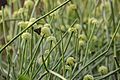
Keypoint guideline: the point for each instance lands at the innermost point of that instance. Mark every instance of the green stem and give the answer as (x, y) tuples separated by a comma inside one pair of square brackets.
[(22, 58), (87, 47), (34, 55), (4, 27), (36, 3), (31, 45)]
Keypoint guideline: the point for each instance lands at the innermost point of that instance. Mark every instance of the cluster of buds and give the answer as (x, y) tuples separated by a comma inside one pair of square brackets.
[(88, 77), (45, 31), (72, 29), (51, 38), (103, 70), (28, 4), (82, 39), (23, 24), (70, 61), (26, 36)]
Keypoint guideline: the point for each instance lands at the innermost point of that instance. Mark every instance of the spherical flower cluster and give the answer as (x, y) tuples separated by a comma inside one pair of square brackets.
[(78, 26), (72, 29), (26, 36), (33, 20), (81, 43), (47, 25), (72, 7), (103, 70), (94, 38), (62, 27), (71, 12), (29, 4), (70, 61), (21, 10), (45, 31), (82, 37), (9, 37), (88, 77), (67, 67), (93, 20), (51, 38), (15, 14), (23, 24)]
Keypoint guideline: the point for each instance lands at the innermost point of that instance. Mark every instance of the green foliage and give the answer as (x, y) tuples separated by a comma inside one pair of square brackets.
[(60, 39)]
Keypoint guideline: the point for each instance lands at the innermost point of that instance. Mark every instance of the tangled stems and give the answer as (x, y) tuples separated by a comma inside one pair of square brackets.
[(34, 55), (102, 54), (87, 47), (22, 58), (33, 24), (52, 50)]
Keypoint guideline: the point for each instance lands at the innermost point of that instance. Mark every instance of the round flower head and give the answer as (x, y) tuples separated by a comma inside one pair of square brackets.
[(77, 26), (51, 38), (72, 7), (71, 13), (29, 4), (23, 24), (72, 29), (32, 20), (26, 36), (82, 37), (94, 38), (15, 14), (93, 20), (9, 37), (70, 61), (88, 77), (103, 70), (62, 27), (81, 43), (45, 31), (47, 25), (21, 10)]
